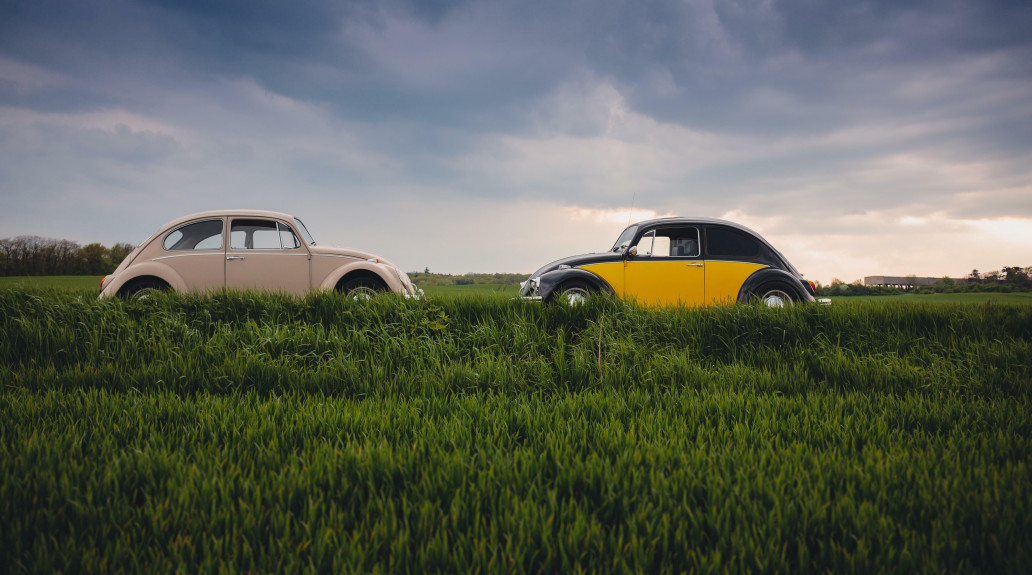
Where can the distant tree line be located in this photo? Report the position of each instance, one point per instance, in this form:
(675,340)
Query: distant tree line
(37,256)
(426,278)
(1008,279)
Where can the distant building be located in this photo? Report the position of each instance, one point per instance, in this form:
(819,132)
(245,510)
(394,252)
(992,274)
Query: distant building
(907,282)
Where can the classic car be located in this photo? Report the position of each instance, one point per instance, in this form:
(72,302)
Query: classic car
(677,261)
(249,249)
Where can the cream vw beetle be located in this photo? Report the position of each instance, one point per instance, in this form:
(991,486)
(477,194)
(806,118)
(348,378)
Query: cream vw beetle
(249,249)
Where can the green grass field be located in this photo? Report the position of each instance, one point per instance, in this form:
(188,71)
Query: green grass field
(976,298)
(92,283)
(268,433)
(473,290)
(66,283)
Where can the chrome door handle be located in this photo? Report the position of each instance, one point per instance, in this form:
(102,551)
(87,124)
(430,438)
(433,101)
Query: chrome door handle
(234,257)
(694,265)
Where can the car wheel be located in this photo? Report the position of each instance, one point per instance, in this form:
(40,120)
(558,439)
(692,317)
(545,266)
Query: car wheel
(363,288)
(143,289)
(573,293)
(775,295)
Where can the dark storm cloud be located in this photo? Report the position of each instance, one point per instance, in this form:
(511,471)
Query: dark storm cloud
(751,67)
(832,61)
(428,83)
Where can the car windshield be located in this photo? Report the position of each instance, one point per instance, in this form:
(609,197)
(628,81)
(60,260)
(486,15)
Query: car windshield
(304,232)
(625,239)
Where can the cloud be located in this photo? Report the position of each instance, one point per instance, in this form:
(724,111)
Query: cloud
(822,118)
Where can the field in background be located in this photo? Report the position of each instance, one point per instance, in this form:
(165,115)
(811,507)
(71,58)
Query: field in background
(975,298)
(71,283)
(460,434)
(91,283)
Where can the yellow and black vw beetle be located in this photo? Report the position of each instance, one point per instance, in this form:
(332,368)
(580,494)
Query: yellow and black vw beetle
(677,261)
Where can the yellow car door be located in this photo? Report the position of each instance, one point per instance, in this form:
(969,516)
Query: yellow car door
(667,268)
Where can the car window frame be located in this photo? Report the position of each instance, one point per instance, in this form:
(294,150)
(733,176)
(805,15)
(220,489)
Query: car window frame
(301,248)
(654,231)
(221,248)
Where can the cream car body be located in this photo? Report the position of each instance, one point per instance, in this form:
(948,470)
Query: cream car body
(249,249)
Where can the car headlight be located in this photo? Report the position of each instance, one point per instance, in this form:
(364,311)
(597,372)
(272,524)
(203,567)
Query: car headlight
(534,284)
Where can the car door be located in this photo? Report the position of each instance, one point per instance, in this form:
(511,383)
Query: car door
(266,254)
(668,268)
(196,251)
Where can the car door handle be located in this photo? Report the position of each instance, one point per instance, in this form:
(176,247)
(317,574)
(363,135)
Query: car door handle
(234,257)
(697,265)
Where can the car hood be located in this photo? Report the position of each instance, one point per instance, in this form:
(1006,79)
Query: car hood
(346,252)
(580,260)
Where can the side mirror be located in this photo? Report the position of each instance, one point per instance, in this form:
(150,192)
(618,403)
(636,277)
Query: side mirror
(632,251)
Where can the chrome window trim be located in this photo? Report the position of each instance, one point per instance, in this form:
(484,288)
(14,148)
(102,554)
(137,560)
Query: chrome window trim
(338,256)
(266,252)
(190,253)
(205,250)
(741,262)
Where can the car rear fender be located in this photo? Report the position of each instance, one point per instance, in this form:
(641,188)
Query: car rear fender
(765,275)
(381,271)
(152,269)
(551,280)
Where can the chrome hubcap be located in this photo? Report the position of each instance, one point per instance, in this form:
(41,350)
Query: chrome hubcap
(362,293)
(776,298)
(575,296)
(144,294)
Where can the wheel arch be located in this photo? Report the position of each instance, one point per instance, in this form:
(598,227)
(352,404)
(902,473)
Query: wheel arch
(356,269)
(144,270)
(767,275)
(552,280)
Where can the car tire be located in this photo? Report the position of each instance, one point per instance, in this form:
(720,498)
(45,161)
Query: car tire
(573,293)
(774,294)
(140,290)
(362,287)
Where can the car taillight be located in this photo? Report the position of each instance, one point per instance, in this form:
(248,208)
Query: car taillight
(102,280)
(813,287)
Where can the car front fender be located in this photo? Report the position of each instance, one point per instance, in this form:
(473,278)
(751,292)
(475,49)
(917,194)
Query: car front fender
(151,269)
(553,279)
(765,275)
(385,273)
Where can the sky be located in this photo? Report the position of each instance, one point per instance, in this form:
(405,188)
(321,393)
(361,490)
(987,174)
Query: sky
(859,138)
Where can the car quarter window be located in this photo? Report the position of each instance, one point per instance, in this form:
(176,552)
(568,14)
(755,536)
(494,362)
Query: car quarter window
(203,235)
(672,242)
(645,244)
(730,243)
(288,240)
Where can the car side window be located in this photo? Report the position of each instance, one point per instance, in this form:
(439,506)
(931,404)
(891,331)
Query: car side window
(204,235)
(670,243)
(730,243)
(261,235)
(254,235)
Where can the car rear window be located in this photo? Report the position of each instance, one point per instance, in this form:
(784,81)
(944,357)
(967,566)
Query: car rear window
(730,243)
(205,235)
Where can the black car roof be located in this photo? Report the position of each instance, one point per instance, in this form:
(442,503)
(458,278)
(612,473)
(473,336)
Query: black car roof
(689,220)
(715,221)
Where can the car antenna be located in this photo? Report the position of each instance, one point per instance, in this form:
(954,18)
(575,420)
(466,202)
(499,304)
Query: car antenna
(630,214)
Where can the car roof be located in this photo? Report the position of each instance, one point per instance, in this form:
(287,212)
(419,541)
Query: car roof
(691,220)
(224,213)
